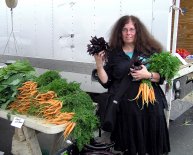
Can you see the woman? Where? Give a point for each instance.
(139, 129)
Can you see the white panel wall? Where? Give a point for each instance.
(161, 22)
(141, 9)
(61, 29)
(3, 26)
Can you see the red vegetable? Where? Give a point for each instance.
(182, 52)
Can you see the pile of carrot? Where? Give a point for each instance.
(47, 106)
(146, 92)
(25, 97)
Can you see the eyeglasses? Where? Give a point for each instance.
(125, 30)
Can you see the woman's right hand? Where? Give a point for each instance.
(99, 59)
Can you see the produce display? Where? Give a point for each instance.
(50, 97)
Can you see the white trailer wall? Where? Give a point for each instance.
(43, 28)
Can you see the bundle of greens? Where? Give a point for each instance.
(85, 118)
(61, 87)
(11, 77)
(47, 77)
(165, 64)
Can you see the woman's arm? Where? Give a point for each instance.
(145, 74)
(102, 74)
(99, 59)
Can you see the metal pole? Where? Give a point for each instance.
(175, 29)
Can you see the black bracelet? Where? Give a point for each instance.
(151, 77)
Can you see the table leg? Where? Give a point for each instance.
(59, 143)
(25, 142)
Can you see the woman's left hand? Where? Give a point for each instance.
(140, 74)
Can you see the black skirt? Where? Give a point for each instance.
(141, 129)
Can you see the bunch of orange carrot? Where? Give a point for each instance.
(25, 97)
(146, 92)
(45, 105)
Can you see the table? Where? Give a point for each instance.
(24, 141)
(169, 91)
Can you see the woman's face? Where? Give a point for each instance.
(129, 33)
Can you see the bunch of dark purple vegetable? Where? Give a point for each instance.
(97, 45)
(136, 63)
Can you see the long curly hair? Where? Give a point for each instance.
(144, 41)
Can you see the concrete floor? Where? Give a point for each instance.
(181, 136)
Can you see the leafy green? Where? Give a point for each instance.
(47, 77)
(165, 64)
(85, 118)
(77, 100)
(61, 87)
(33, 110)
(86, 124)
(20, 66)
(7, 96)
(12, 77)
